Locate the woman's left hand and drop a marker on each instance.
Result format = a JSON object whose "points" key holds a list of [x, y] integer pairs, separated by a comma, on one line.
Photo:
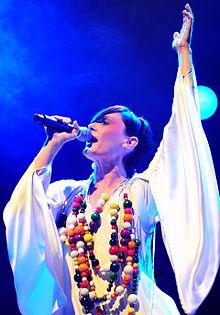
{"points": [[183, 39]]}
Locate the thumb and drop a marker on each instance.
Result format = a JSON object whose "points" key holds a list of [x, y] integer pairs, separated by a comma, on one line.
{"points": [[175, 35]]}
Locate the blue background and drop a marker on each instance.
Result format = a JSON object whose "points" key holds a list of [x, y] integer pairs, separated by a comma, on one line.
{"points": [[74, 57]]}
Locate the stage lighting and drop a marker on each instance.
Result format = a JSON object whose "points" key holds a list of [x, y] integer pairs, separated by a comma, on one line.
{"points": [[208, 101]]}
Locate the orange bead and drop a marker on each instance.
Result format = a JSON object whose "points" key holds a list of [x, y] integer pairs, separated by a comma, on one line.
{"points": [[71, 232], [131, 245], [129, 259], [81, 259], [83, 267], [127, 277], [128, 218], [79, 229]]}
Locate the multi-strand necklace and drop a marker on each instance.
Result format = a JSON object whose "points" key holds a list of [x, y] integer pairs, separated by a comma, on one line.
{"points": [[78, 236]]}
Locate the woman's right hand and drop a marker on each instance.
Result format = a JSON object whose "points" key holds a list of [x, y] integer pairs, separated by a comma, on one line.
{"points": [[62, 137], [54, 142]]}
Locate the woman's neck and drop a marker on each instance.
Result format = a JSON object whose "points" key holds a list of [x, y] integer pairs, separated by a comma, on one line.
{"points": [[107, 177]]}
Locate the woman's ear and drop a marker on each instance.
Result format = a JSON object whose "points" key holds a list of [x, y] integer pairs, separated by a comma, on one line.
{"points": [[130, 142]]}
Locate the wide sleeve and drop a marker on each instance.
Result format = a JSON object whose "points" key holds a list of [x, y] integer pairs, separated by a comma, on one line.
{"points": [[183, 183], [33, 244]]}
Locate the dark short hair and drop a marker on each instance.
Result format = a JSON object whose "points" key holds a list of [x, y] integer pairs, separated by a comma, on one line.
{"points": [[138, 160]]}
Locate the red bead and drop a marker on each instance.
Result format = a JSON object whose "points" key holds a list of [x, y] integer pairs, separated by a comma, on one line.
{"points": [[123, 249], [130, 252], [113, 250], [76, 204], [114, 227], [127, 211], [84, 274], [84, 284], [136, 270], [78, 199]]}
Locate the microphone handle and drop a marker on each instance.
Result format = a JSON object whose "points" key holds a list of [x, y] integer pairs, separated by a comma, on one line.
{"points": [[84, 134], [53, 123]]}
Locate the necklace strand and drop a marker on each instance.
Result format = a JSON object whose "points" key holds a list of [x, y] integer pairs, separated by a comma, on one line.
{"points": [[123, 254]]}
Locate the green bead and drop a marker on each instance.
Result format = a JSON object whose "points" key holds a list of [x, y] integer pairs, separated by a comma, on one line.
{"points": [[113, 275], [95, 216], [137, 242]]}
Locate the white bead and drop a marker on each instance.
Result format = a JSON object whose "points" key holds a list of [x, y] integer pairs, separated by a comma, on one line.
{"points": [[81, 250], [128, 269], [114, 231], [62, 231], [81, 216], [84, 279], [108, 296], [113, 217], [127, 225], [84, 291], [113, 258], [80, 244], [132, 230], [132, 298], [71, 227], [92, 295], [71, 219], [74, 253], [91, 283], [132, 237], [86, 228], [100, 202], [63, 238], [120, 289]]}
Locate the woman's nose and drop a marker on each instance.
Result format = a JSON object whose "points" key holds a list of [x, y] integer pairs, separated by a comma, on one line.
{"points": [[91, 126]]}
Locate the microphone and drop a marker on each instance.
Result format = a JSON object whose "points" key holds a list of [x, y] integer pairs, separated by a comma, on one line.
{"points": [[84, 134]]}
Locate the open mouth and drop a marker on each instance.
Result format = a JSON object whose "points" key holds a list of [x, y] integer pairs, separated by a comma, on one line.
{"points": [[91, 141]]}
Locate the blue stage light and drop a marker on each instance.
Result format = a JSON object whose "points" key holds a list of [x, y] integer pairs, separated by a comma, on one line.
{"points": [[208, 101]]}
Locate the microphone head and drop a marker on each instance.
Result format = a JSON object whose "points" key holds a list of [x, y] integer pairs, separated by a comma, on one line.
{"points": [[85, 134]]}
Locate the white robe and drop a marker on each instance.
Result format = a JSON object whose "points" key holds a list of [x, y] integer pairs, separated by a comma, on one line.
{"points": [[179, 188]]}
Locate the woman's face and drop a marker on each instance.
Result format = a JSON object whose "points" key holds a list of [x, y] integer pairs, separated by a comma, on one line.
{"points": [[109, 134]]}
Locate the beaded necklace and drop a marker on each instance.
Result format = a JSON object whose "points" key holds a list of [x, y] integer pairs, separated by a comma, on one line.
{"points": [[78, 236]]}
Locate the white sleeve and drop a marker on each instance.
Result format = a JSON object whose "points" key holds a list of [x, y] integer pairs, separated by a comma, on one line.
{"points": [[33, 244], [183, 183]]}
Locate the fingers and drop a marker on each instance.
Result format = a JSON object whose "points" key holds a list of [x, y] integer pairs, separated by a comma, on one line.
{"points": [[187, 13], [64, 120]]}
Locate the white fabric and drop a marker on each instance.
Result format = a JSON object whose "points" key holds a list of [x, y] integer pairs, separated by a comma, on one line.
{"points": [[180, 180]]}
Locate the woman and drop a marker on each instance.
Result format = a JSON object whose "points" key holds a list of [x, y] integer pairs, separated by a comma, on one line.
{"points": [[103, 264]]}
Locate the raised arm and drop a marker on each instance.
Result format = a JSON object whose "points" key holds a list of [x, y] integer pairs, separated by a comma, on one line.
{"points": [[182, 41]]}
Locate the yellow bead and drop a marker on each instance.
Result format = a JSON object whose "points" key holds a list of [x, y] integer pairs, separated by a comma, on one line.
{"points": [[130, 309], [89, 243], [67, 243], [114, 205], [75, 259], [88, 237], [105, 197], [75, 262], [113, 212]]}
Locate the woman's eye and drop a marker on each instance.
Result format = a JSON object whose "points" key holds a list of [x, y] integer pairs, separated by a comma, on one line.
{"points": [[105, 122]]}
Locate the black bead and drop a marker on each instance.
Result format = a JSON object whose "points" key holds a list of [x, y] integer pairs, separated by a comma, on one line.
{"points": [[113, 222], [136, 260], [127, 203], [114, 266], [95, 262], [113, 242], [91, 256], [114, 235], [121, 255]]}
